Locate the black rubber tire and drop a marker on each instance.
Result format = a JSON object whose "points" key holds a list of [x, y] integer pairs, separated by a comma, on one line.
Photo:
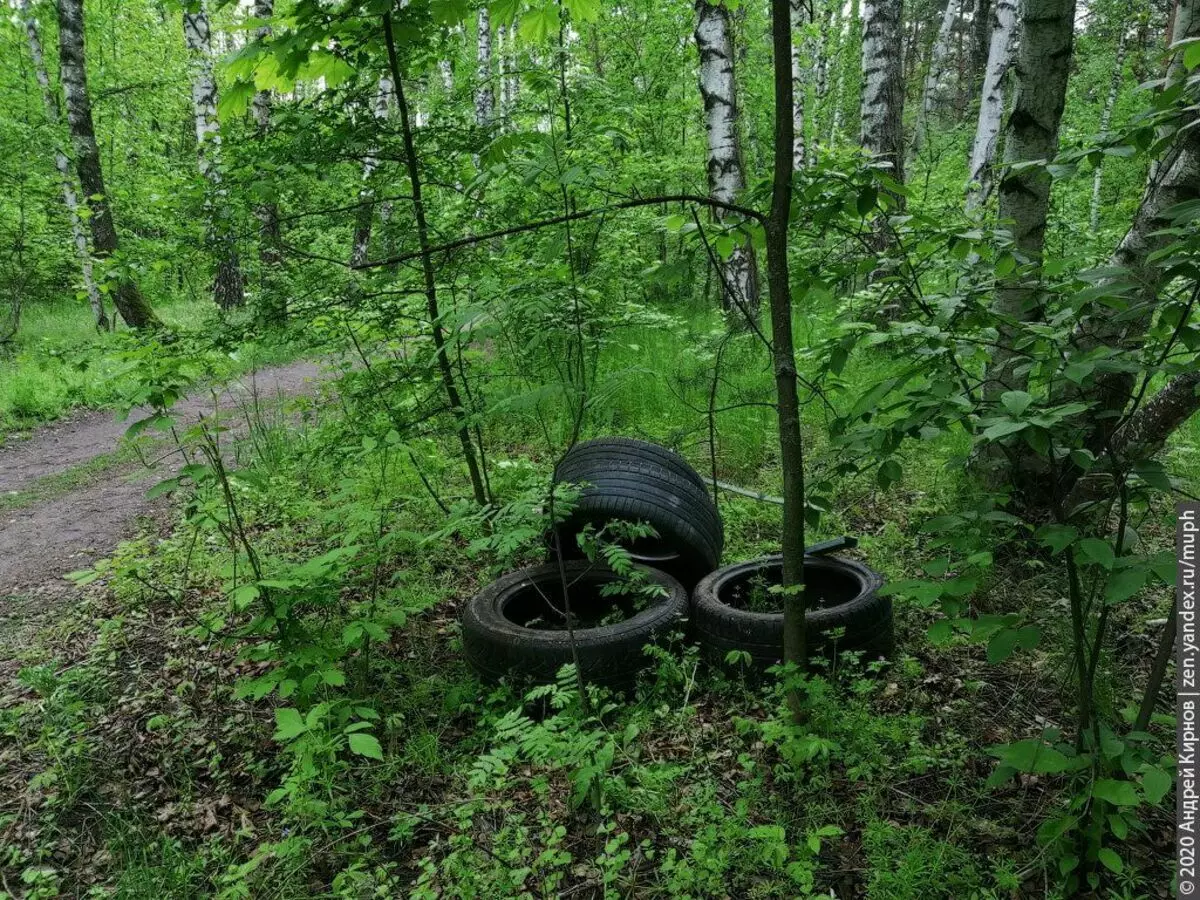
{"points": [[578, 471], [610, 655], [611, 449], [866, 618], [637, 481], [684, 529]]}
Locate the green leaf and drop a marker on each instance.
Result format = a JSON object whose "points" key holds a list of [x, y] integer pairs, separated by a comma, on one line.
{"points": [[1016, 402], [1191, 55], [1111, 861], [1098, 551], [1001, 646], [1125, 584], [889, 473], [1003, 429], [365, 745], [1155, 784], [1118, 793], [1031, 756], [288, 724], [1057, 537]]}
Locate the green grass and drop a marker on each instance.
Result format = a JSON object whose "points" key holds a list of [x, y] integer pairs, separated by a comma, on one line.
{"points": [[60, 362]]}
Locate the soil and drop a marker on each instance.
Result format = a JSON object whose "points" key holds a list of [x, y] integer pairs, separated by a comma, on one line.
{"points": [[79, 523]]}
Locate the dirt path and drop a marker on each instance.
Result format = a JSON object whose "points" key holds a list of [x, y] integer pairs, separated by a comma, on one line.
{"points": [[73, 524]]}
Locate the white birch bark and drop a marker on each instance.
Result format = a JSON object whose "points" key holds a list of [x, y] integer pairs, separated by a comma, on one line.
{"points": [[799, 18], [991, 104], [882, 103], [939, 58], [1110, 102], [72, 58], [1043, 65], [485, 98], [361, 244], [63, 164], [726, 178], [228, 286]]}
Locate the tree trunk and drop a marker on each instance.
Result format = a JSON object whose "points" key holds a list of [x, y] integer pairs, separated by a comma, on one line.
{"points": [[1114, 89], [981, 29], [791, 446], [1147, 431], [127, 298], [1175, 179], [799, 18], [485, 99], [939, 55], [63, 165], [991, 103], [361, 244], [853, 37], [273, 301], [453, 397], [882, 105], [1043, 65], [726, 178], [228, 287]]}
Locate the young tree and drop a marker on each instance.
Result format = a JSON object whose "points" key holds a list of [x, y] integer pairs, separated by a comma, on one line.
{"points": [[1043, 65], [228, 286], [791, 444], [991, 103], [882, 105], [63, 165], [73, 67], [726, 176]]}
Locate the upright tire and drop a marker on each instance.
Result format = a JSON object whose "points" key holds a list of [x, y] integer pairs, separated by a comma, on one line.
{"points": [[626, 479], [514, 626], [842, 596]]}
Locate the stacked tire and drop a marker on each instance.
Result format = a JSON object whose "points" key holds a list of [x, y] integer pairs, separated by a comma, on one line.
{"points": [[518, 625], [636, 481]]}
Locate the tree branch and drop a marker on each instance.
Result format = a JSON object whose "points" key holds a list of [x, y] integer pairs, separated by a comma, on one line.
{"points": [[470, 240]]}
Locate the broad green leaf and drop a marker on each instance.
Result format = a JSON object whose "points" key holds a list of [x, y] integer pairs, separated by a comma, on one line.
{"points": [[1111, 861], [1118, 793], [1098, 551], [1057, 537], [365, 745], [1155, 784], [1125, 584], [1016, 402], [288, 724]]}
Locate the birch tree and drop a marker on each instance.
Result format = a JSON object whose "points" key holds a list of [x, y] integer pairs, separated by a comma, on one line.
{"points": [[1043, 65], [726, 177], [799, 18], [882, 105], [991, 103], [361, 243], [1174, 181], [128, 300], [267, 211], [1110, 102], [485, 98], [228, 286], [63, 164], [939, 59]]}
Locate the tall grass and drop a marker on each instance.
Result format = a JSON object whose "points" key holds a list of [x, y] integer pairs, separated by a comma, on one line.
{"points": [[60, 362]]}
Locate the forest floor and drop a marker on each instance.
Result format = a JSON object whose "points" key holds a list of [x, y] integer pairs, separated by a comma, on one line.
{"points": [[71, 491]]}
